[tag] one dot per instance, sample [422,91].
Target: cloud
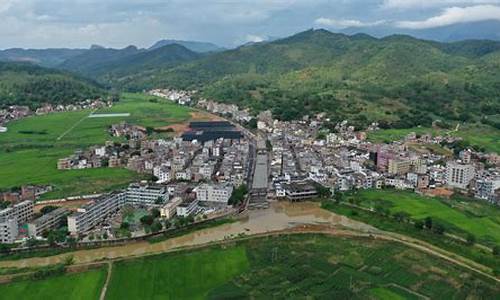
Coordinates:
[412,4]
[345,23]
[254,38]
[454,15]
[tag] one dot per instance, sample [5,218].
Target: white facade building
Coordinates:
[214,193]
[459,175]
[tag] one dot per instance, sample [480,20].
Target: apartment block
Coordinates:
[459,175]
[47,222]
[214,193]
[146,194]
[88,216]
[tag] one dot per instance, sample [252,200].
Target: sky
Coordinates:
[119,23]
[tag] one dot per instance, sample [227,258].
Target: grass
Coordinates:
[84,286]
[30,149]
[298,267]
[460,217]
[482,136]
[188,275]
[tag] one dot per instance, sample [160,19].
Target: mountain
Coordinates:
[90,61]
[483,30]
[42,57]
[109,65]
[399,80]
[143,62]
[200,47]
[28,84]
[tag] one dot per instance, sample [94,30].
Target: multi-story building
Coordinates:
[88,216]
[162,173]
[459,175]
[12,217]
[187,208]
[8,230]
[297,191]
[47,222]
[170,209]
[486,188]
[146,194]
[214,193]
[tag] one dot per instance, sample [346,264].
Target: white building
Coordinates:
[459,175]
[187,208]
[162,173]
[88,216]
[101,151]
[145,194]
[214,193]
[8,230]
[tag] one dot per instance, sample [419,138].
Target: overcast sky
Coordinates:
[118,23]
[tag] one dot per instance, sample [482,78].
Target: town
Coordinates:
[219,168]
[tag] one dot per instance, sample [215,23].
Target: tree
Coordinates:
[419,224]
[155,213]
[323,192]
[147,220]
[149,130]
[401,216]
[156,226]
[438,229]
[496,250]
[252,123]
[125,225]
[158,200]
[428,223]
[69,260]
[338,197]
[471,239]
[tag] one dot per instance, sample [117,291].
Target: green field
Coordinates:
[283,267]
[460,217]
[182,276]
[79,286]
[297,267]
[30,149]
[481,136]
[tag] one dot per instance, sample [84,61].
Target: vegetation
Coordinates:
[86,285]
[297,267]
[20,152]
[187,275]
[26,84]
[460,217]
[400,81]
[238,195]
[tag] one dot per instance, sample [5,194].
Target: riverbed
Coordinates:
[280,216]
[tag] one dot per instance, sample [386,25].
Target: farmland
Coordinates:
[460,217]
[30,149]
[282,267]
[182,276]
[78,286]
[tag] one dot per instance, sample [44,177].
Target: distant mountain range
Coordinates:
[66,58]
[484,30]
[399,81]
[200,47]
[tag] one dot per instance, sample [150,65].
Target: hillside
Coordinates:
[399,80]
[26,84]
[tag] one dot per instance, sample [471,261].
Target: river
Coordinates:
[280,216]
